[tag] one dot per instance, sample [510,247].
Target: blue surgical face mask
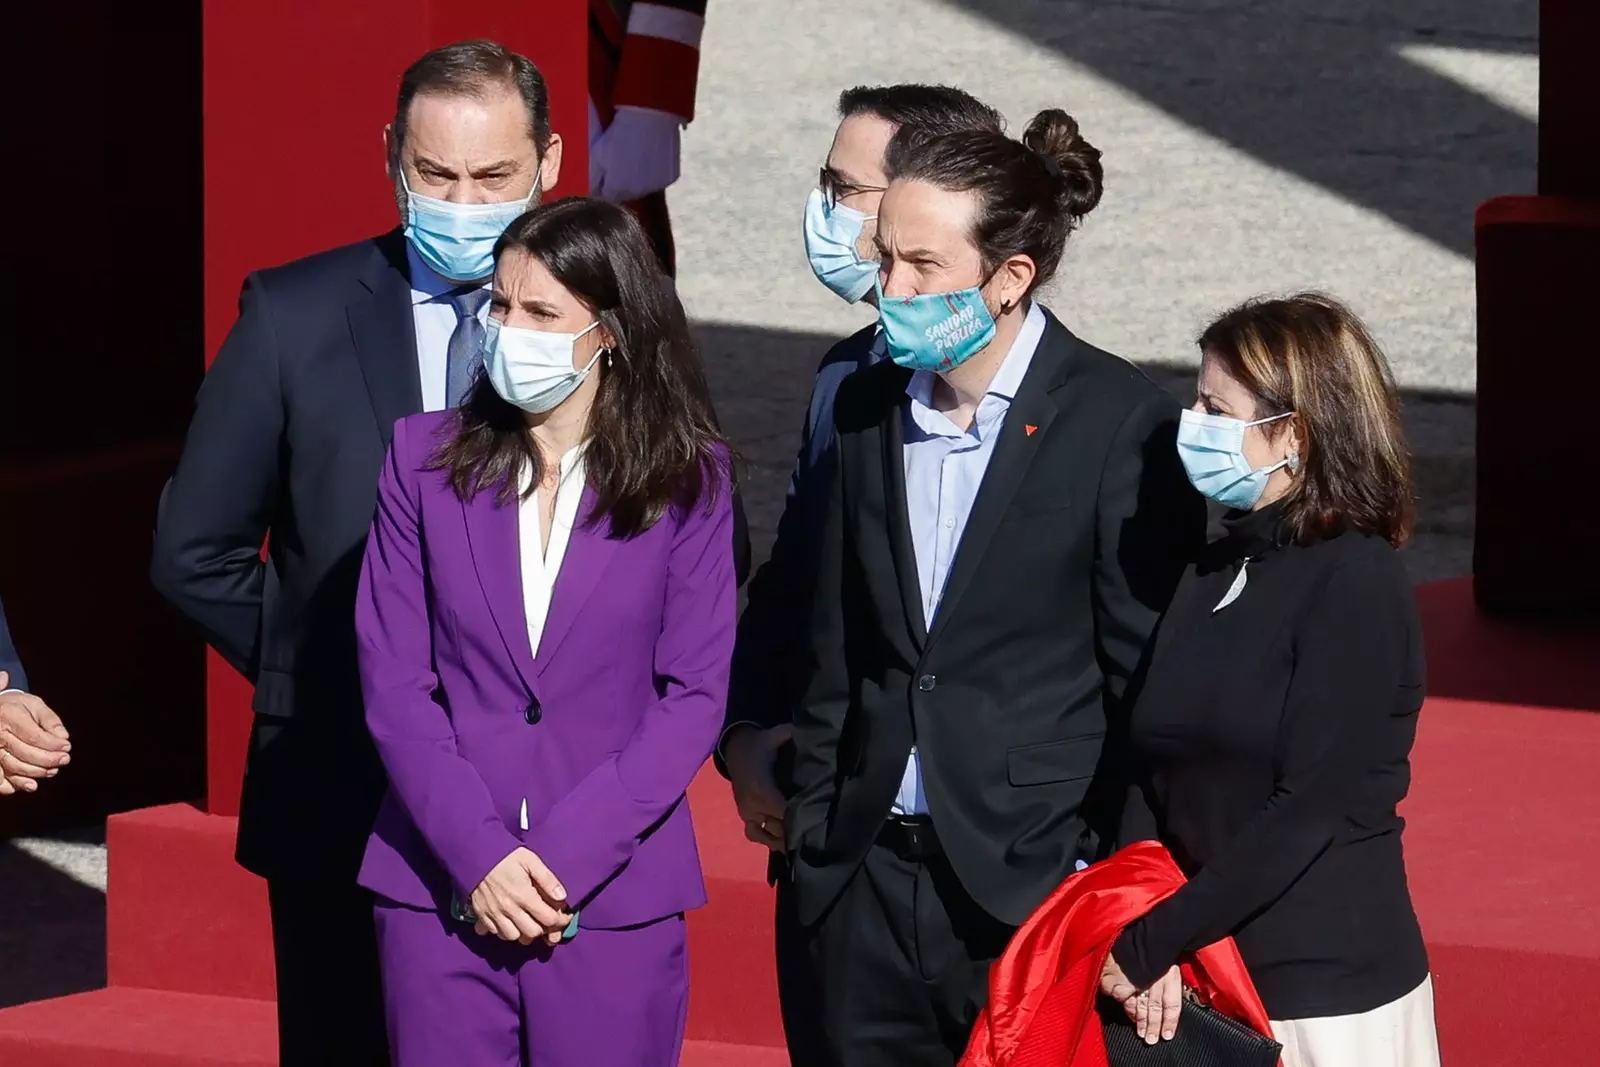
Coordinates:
[832,234]
[533,368]
[1212,450]
[935,331]
[457,240]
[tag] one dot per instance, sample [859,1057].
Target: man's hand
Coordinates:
[636,155]
[1154,1011]
[520,900]
[33,743]
[750,755]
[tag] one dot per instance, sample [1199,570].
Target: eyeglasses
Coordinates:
[835,188]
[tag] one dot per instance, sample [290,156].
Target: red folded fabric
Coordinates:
[1042,990]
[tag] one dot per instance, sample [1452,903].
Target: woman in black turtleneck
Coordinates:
[1273,732]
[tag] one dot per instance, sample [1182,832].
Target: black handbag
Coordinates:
[1205,1038]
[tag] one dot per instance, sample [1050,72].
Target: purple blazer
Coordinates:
[601,734]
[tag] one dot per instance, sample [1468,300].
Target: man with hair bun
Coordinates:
[1008,521]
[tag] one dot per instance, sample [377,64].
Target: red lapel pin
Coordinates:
[1029,429]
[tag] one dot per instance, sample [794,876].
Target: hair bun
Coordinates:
[1072,160]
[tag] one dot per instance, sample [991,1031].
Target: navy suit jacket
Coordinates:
[289,432]
[9,661]
[769,657]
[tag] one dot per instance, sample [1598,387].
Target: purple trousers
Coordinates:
[607,998]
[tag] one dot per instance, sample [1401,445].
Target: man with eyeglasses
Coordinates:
[769,672]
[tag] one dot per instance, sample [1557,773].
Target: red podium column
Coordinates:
[1538,270]
[297,93]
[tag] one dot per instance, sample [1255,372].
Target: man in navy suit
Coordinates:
[289,434]
[768,664]
[33,743]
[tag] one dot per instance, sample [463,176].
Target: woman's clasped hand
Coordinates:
[521,900]
[1154,1011]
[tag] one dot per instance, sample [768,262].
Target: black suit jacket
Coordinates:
[769,658]
[1075,542]
[10,662]
[289,433]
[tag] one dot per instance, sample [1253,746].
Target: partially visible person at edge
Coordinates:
[1007,520]
[1272,737]
[288,435]
[34,745]
[544,624]
[768,661]
[644,65]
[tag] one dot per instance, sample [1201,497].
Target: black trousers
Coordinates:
[799,992]
[903,958]
[330,996]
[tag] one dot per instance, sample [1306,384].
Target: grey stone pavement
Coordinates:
[1251,146]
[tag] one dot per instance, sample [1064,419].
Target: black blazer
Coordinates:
[289,433]
[1078,535]
[10,662]
[769,658]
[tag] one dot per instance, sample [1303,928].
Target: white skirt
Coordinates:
[1398,1034]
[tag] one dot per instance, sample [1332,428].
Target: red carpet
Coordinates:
[1503,818]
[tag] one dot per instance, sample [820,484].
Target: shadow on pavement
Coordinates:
[52,927]
[1318,90]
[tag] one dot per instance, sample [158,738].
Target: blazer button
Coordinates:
[533,713]
[927,682]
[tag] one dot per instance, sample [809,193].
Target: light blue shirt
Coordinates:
[944,469]
[435,320]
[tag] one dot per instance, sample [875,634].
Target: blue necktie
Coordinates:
[466,345]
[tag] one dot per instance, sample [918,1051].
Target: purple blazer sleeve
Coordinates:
[590,833]
[443,794]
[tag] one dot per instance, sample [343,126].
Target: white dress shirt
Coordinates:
[435,320]
[944,467]
[540,562]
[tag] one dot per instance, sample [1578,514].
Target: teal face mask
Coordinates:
[935,331]
[457,240]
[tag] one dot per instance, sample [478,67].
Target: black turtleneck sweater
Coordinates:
[1272,740]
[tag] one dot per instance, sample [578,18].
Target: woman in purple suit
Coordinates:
[545,622]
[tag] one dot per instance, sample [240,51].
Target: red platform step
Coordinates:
[181,916]
[152,1028]
[1501,812]
[140,1028]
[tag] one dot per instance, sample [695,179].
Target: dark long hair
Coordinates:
[1310,356]
[653,440]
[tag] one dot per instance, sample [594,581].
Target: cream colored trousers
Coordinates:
[1397,1034]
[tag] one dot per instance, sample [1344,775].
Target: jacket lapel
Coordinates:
[893,433]
[589,551]
[1008,466]
[384,333]
[496,556]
